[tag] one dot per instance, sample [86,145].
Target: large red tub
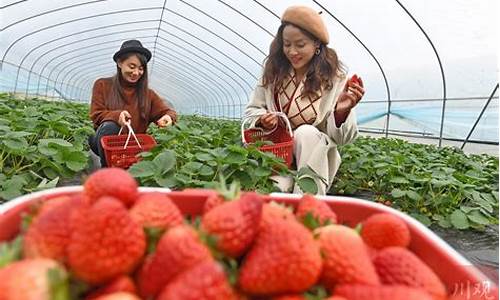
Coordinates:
[458,274]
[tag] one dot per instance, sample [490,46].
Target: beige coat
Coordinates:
[321,152]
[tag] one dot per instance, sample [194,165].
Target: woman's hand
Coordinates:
[123,118]
[164,121]
[268,121]
[352,94]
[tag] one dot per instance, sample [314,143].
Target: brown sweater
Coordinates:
[100,111]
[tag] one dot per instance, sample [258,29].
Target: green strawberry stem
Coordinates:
[59,284]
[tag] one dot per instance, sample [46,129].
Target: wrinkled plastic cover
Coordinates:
[208,55]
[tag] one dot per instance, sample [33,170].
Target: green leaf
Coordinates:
[413,195]
[11,251]
[397,193]
[400,180]
[495,194]
[477,217]
[59,142]
[58,284]
[235,158]
[18,134]
[380,165]
[51,147]
[310,221]
[204,157]
[206,171]
[459,220]
[165,161]
[142,169]
[168,181]
[307,185]
[483,203]
[422,219]
[153,235]
[262,172]
[192,167]
[15,143]
[439,183]
[467,209]
[442,221]
[75,160]
[44,184]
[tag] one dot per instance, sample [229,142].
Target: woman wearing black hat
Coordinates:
[304,79]
[126,97]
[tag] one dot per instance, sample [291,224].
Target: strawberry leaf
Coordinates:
[310,221]
[11,251]
[358,228]
[153,236]
[58,283]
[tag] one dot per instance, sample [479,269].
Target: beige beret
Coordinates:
[308,19]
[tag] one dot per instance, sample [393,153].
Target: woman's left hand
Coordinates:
[164,121]
[352,94]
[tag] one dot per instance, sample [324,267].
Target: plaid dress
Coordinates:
[299,108]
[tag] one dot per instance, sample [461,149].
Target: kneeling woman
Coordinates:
[303,78]
[125,97]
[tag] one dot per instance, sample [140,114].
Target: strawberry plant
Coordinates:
[196,151]
[41,142]
[440,186]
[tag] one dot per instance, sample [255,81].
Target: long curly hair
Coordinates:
[116,98]
[323,68]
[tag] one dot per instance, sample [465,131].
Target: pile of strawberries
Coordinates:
[126,245]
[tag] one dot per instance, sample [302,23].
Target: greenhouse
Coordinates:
[397,114]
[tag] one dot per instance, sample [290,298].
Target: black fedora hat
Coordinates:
[132,46]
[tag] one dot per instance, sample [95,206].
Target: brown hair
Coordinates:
[322,70]
[141,87]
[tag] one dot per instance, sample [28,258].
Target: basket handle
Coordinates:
[279,114]
[130,132]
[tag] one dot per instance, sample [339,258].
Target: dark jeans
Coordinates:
[106,128]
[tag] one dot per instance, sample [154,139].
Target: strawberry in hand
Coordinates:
[352,94]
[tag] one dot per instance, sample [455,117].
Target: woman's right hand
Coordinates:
[268,121]
[123,118]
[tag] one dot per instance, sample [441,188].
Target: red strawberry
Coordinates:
[396,265]
[46,205]
[105,242]
[385,230]
[156,210]
[204,281]
[345,257]
[178,249]
[381,292]
[114,182]
[355,79]
[120,284]
[119,296]
[49,233]
[274,211]
[284,259]
[321,213]
[213,201]
[33,279]
[234,224]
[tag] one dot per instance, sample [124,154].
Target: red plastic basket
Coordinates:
[117,155]
[281,137]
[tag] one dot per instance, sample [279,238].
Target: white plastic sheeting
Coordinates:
[208,55]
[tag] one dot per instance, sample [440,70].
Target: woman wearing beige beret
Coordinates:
[304,79]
